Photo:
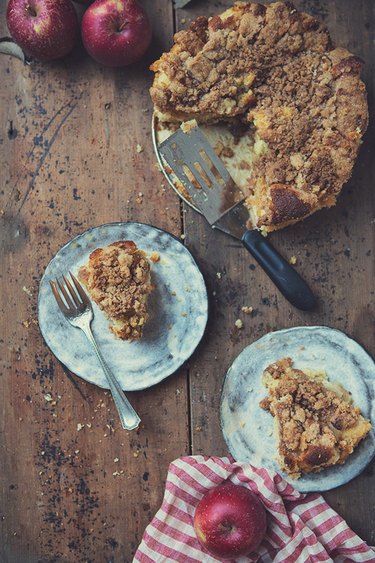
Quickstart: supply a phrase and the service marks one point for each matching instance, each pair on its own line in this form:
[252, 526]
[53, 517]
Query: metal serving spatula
[219, 199]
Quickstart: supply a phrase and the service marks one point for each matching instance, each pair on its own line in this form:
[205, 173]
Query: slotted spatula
[219, 199]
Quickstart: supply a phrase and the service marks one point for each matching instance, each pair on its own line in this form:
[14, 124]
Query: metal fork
[77, 309]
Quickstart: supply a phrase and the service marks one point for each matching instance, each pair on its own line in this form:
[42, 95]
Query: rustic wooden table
[69, 161]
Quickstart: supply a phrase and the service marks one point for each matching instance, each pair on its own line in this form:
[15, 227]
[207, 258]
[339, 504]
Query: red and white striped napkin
[301, 528]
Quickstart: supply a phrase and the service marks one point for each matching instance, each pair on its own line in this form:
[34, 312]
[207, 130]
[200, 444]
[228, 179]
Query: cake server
[218, 198]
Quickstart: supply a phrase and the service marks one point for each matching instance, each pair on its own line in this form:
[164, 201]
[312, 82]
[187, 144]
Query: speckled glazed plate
[248, 429]
[178, 311]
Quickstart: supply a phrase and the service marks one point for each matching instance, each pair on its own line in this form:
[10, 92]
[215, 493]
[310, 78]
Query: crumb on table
[247, 310]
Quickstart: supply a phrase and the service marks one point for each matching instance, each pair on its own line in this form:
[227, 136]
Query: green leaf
[9, 47]
[181, 3]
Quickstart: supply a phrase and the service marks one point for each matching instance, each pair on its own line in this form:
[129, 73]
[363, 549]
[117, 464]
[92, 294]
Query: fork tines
[72, 302]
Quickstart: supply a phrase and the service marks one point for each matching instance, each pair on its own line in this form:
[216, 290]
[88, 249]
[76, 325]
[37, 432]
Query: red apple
[116, 32]
[230, 521]
[44, 29]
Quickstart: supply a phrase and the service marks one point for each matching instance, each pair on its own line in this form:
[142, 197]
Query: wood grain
[335, 254]
[69, 135]
[68, 138]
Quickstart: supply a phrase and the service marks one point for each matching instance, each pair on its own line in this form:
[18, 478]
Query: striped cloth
[301, 528]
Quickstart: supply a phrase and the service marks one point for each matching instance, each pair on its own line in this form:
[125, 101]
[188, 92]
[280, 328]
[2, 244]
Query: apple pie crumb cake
[117, 278]
[274, 70]
[316, 422]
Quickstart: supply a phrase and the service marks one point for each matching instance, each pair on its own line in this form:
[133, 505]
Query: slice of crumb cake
[316, 422]
[117, 278]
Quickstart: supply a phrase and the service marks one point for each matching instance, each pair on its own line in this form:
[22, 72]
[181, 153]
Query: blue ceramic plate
[248, 429]
[178, 311]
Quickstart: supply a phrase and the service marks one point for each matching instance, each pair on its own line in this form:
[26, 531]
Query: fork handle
[128, 417]
[287, 279]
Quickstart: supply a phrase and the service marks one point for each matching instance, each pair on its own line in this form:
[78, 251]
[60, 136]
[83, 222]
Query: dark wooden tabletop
[69, 161]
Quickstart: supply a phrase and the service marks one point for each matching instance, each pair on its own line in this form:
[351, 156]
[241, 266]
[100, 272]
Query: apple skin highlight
[230, 521]
[44, 29]
[116, 32]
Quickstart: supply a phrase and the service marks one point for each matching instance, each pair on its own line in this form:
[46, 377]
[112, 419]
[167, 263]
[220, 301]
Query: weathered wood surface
[69, 161]
[68, 140]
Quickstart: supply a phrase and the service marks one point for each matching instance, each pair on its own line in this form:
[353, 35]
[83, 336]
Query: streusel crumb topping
[118, 280]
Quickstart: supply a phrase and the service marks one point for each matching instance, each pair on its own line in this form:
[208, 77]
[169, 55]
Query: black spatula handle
[286, 279]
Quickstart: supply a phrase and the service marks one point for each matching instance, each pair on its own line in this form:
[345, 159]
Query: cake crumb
[187, 126]
[293, 260]
[247, 310]
[238, 323]
[139, 148]
[27, 291]
[155, 257]
[80, 426]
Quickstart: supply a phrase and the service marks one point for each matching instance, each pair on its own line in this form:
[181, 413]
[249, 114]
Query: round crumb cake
[272, 75]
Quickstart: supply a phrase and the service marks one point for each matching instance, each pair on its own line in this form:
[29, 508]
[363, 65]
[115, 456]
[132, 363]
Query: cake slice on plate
[316, 422]
[117, 278]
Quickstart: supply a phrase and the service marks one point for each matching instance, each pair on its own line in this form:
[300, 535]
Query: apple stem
[122, 27]
[31, 10]
[226, 527]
